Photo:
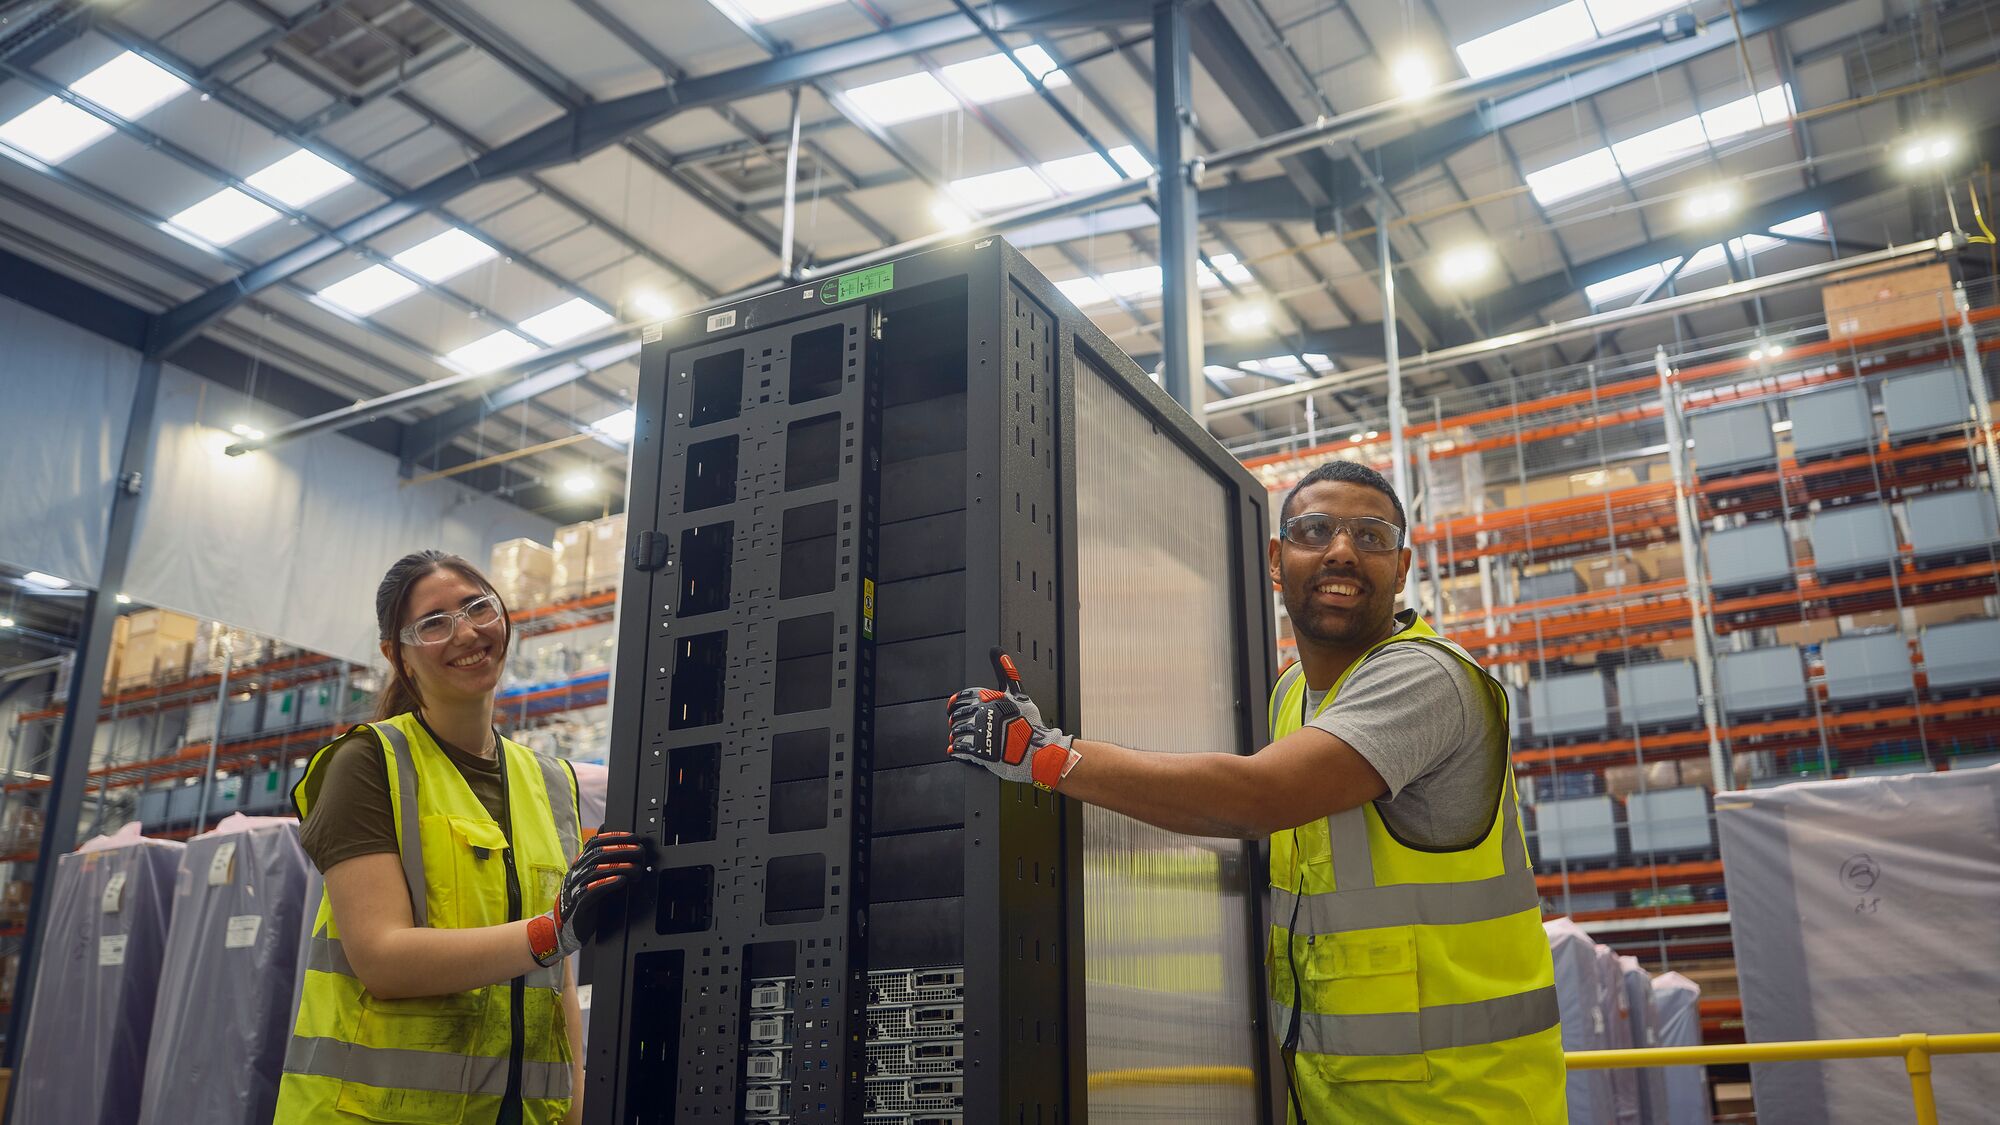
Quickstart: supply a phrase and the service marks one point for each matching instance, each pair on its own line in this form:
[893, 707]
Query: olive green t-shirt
[351, 814]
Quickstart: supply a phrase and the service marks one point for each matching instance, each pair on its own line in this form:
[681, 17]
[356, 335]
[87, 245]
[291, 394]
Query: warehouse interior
[1668, 322]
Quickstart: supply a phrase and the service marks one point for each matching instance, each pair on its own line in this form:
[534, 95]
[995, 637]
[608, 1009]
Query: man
[1410, 978]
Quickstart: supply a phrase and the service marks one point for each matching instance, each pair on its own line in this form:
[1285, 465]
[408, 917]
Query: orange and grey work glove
[608, 865]
[1003, 731]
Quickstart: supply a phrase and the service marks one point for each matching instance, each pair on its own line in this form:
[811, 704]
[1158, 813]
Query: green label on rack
[860, 283]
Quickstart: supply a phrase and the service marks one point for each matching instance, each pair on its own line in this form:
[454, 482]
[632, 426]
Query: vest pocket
[385, 1074]
[470, 854]
[1368, 977]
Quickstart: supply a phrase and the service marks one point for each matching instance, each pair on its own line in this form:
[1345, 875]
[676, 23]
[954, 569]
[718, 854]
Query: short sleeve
[1402, 710]
[351, 814]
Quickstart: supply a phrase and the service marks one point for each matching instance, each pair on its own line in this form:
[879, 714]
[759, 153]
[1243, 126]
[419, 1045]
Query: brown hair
[392, 600]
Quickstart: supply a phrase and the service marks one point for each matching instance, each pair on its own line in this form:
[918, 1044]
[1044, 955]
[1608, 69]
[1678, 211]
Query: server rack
[843, 494]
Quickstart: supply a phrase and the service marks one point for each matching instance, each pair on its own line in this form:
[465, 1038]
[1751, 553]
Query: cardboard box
[1697, 771]
[164, 623]
[121, 632]
[14, 902]
[572, 560]
[1944, 613]
[1811, 632]
[523, 572]
[1880, 302]
[606, 565]
[1623, 781]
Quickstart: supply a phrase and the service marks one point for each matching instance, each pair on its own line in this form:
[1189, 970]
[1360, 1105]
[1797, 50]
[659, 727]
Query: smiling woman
[455, 886]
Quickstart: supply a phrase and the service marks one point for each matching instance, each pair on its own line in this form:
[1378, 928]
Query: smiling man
[1410, 978]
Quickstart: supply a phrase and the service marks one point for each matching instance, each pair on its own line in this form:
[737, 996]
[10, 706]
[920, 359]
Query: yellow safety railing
[1914, 1049]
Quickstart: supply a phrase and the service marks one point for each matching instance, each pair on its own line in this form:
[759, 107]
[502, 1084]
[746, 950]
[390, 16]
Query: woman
[435, 988]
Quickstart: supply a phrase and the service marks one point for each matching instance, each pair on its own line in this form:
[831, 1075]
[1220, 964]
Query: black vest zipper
[510, 1106]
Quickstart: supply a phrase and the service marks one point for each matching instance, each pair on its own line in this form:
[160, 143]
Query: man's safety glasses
[437, 628]
[1315, 530]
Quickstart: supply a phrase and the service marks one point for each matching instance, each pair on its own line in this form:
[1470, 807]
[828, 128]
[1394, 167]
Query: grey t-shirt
[1416, 714]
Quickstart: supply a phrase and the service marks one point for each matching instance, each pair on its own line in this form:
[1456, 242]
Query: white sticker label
[719, 321]
[242, 931]
[652, 332]
[114, 894]
[219, 864]
[583, 997]
[111, 949]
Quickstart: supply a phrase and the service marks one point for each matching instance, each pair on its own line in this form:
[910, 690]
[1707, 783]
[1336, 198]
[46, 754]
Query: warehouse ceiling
[365, 196]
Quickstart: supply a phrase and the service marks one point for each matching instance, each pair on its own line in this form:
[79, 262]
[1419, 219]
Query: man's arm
[1300, 778]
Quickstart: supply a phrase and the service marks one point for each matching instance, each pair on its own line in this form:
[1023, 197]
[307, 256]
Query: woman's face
[468, 665]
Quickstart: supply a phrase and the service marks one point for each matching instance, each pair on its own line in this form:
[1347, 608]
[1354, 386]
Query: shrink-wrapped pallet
[222, 1020]
[95, 983]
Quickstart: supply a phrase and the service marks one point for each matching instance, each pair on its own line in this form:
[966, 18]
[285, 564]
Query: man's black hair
[1346, 472]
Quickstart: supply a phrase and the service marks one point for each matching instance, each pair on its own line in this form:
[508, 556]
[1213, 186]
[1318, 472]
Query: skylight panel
[618, 427]
[53, 130]
[129, 86]
[492, 352]
[299, 179]
[1626, 284]
[1573, 177]
[1082, 173]
[1776, 104]
[765, 11]
[1805, 226]
[1536, 37]
[376, 287]
[1002, 190]
[1231, 269]
[566, 321]
[1084, 292]
[1663, 145]
[897, 100]
[444, 256]
[224, 217]
[993, 78]
[1706, 258]
[1610, 15]
[1141, 282]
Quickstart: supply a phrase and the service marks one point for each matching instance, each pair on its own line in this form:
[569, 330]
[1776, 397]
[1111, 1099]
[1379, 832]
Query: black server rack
[842, 495]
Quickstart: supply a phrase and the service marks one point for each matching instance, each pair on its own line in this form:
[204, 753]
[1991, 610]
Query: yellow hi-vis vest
[1420, 978]
[357, 1057]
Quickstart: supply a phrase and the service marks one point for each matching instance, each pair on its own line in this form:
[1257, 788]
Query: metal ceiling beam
[573, 136]
[1350, 340]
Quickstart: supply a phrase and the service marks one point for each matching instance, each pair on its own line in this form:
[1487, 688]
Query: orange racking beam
[1630, 878]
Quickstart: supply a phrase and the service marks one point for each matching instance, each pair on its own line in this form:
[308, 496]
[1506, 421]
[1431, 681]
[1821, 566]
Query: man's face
[1340, 594]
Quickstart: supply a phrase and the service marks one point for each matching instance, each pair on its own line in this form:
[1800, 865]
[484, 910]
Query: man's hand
[1003, 731]
[608, 865]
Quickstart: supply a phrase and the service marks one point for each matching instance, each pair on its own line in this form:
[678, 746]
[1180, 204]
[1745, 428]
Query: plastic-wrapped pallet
[1618, 1035]
[98, 976]
[1677, 1015]
[220, 1026]
[1638, 984]
[1826, 880]
[1591, 1099]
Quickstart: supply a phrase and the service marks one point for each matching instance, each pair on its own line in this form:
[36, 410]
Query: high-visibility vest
[1411, 984]
[356, 1057]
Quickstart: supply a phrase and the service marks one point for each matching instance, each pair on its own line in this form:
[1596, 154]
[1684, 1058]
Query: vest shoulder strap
[1286, 679]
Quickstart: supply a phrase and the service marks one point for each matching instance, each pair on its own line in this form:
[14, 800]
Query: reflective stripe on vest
[407, 833]
[400, 1069]
[1407, 963]
[327, 955]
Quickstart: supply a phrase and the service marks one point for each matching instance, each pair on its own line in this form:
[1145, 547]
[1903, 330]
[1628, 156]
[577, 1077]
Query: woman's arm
[397, 959]
[573, 1019]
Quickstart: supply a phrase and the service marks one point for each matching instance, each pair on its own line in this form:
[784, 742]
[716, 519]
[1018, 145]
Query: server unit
[843, 495]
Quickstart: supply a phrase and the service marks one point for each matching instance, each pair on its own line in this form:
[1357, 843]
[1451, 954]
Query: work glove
[1003, 731]
[609, 864]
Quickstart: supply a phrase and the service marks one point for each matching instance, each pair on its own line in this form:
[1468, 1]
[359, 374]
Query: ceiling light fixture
[1464, 264]
[1925, 151]
[577, 484]
[6, 622]
[124, 599]
[650, 303]
[1249, 318]
[245, 430]
[1414, 75]
[949, 215]
[45, 581]
[1709, 203]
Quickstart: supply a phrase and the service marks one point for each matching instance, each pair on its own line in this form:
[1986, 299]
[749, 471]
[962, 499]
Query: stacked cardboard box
[216, 644]
[24, 830]
[1884, 301]
[1623, 781]
[158, 645]
[523, 572]
[14, 902]
[572, 560]
[607, 554]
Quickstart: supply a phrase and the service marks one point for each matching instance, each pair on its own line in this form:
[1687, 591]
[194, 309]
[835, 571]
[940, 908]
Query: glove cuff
[544, 940]
[1052, 763]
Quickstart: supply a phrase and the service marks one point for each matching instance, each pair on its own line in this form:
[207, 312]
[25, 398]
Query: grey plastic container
[1668, 820]
[1924, 402]
[1962, 654]
[1867, 667]
[1579, 830]
[1751, 555]
[1732, 439]
[1954, 522]
[1761, 680]
[1572, 703]
[1857, 537]
[1831, 421]
[1555, 584]
[1650, 694]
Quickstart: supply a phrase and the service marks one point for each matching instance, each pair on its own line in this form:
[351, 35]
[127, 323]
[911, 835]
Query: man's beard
[1332, 628]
